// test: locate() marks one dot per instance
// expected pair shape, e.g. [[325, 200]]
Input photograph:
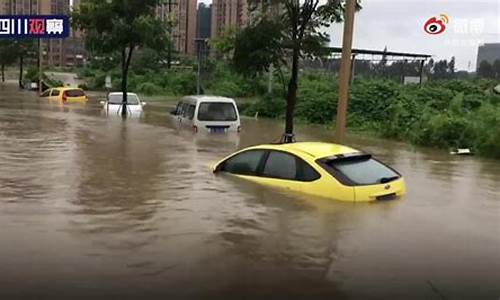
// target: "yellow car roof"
[[67, 88], [314, 149]]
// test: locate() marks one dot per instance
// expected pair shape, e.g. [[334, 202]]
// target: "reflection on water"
[[95, 207]]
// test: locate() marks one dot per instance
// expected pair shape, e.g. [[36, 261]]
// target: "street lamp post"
[[200, 47], [345, 71]]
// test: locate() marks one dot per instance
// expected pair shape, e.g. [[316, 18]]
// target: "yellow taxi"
[[320, 169], [65, 94]]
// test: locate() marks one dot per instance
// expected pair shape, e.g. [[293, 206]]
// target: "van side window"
[[189, 111], [184, 108], [177, 110], [55, 93], [245, 163], [286, 166]]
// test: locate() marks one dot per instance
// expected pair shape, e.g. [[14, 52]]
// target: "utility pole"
[[421, 72], [200, 45], [170, 24], [345, 70]]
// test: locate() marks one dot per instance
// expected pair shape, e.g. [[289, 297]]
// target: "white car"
[[114, 104], [208, 114]]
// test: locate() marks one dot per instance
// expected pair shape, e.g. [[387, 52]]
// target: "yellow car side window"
[[280, 165], [286, 166], [46, 93], [245, 163]]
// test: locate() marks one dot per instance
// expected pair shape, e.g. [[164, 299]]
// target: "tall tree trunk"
[[291, 98], [126, 57], [3, 73], [21, 71]]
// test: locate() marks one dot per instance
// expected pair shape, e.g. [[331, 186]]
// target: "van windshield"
[[118, 98], [217, 111], [364, 170]]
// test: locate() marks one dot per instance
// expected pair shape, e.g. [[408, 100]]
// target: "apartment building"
[[183, 15], [488, 52], [238, 13], [227, 13], [56, 52], [17, 7]]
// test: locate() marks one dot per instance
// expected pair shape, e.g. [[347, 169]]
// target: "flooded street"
[[99, 207]]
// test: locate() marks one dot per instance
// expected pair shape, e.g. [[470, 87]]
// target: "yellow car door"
[[286, 171]]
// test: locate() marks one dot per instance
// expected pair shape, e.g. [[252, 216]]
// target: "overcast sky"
[[398, 24]]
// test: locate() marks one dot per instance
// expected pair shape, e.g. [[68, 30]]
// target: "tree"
[[451, 68], [381, 67], [121, 26], [429, 66], [224, 43], [24, 48], [8, 55], [485, 70], [440, 70], [285, 39], [443, 69]]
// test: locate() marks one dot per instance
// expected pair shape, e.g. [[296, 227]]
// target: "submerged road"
[[97, 207]]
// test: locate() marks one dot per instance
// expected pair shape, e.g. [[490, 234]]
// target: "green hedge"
[[446, 114]]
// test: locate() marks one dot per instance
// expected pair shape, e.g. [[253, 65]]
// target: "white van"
[[208, 114]]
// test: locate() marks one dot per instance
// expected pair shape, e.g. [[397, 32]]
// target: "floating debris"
[[463, 151]]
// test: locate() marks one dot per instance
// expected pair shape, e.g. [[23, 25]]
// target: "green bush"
[[182, 83], [83, 86], [317, 100], [228, 89], [267, 106], [98, 81], [149, 89], [372, 99], [488, 130], [32, 74], [445, 130]]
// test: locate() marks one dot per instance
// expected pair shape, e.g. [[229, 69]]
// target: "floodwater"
[[97, 207]]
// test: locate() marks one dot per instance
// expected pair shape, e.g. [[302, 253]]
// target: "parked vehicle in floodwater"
[[114, 104], [210, 114], [65, 94], [320, 169]]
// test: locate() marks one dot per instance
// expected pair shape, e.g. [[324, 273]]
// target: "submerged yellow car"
[[319, 169], [65, 94]]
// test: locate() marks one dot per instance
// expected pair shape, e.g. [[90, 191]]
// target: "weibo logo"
[[436, 26]]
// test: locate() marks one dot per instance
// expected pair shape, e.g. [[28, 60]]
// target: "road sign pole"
[[345, 71]]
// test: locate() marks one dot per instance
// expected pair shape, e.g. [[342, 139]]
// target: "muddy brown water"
[[97, 207]]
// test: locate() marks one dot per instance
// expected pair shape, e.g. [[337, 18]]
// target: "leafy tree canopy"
[[281, 33], [120, 26], [109, 25]]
